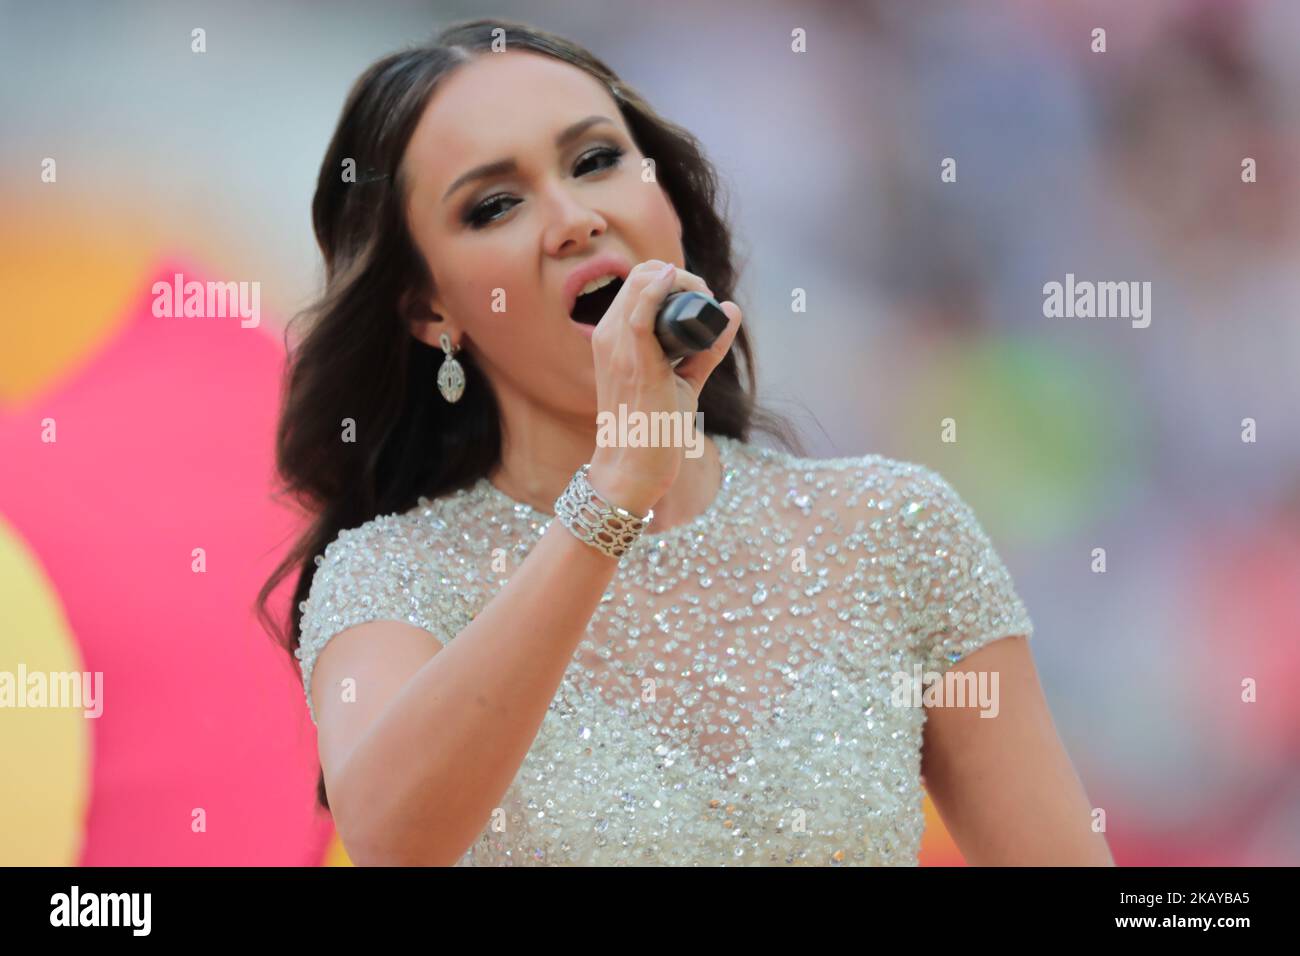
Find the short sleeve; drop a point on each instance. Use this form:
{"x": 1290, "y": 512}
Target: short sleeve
{"x": 963, "y": 595}
{"x": 370, "y": 573}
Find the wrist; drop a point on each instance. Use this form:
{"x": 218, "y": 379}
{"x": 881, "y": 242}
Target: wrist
{"x": 620, "y": 490}
{"x": 597, "y": 520}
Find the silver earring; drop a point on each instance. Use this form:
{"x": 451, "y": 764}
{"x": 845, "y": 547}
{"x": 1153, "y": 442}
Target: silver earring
{"x": 451, "y": 376}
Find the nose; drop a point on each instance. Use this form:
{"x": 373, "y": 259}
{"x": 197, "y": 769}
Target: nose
{"x": 571, "y": 223}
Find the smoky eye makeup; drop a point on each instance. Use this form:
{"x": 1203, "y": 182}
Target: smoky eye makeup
{"x": 596, "y": 158}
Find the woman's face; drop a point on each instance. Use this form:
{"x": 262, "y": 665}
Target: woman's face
{"x": 500, "y": 247}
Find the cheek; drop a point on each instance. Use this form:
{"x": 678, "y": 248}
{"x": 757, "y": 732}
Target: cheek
{"x": 656, "y": 211}
{"x": 494, "y": 288}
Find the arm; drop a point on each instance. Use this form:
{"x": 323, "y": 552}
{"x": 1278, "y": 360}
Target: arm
{"x": 415, "y": 766}
{"x": 1005, "y": 786}
{"x": 415, "y": 772}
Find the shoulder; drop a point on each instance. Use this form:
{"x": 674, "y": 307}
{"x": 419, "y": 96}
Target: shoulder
{"x": 383, "y": 542}
{"x": 380, "y": 570}
{"x": 397, "y": 541}
{"x": 916, "y": 538}
{"x": 906, "y": 512}
{"x": 356, "y": 568}
{"x": 861, "y": 483}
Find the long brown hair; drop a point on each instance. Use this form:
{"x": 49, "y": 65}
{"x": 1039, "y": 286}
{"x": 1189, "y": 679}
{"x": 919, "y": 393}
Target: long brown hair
{"x": 358, "y": 359}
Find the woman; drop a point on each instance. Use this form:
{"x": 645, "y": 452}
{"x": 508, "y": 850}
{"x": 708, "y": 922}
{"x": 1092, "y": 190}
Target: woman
{"x": 706, "y": 669}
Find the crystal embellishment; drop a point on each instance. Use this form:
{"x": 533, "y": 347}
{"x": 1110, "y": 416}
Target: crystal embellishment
{"x": 730, "y": 702}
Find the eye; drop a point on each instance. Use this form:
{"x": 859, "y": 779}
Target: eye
{"x": 612, "y": 153}
{"x": 479, "y": 216}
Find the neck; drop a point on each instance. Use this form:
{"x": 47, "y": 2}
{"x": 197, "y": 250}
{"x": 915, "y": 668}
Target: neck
{"x": 540, "y": 452}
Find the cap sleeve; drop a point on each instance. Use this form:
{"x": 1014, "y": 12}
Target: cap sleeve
{"x": 370, "y": 573}
{"x": 964, "y": 595}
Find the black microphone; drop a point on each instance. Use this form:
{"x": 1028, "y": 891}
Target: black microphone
{"x": 688, "y": 322}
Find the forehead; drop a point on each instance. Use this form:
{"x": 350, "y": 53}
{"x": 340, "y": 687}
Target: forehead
{"x": 496, "y": 106}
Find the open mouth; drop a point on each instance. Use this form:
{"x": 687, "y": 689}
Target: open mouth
{"x": 591, "y": 308}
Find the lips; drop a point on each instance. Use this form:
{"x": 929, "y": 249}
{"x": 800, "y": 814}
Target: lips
{"x": 602, "y": 265}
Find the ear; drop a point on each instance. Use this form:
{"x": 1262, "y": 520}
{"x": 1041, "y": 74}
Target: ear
{"x": 423, "y": 320}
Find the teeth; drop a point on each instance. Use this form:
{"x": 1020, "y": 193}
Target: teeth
{"x": 595, "y": 284}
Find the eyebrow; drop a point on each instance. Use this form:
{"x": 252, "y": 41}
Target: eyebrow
{"x": 502, "y": 167}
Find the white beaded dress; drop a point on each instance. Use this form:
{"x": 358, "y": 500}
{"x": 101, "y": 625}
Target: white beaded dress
{"x": 731, "y": 701}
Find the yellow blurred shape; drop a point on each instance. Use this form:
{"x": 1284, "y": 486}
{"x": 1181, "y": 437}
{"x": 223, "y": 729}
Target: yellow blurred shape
{"x": 44, "y": 790}
{"x": 336, "y": 855}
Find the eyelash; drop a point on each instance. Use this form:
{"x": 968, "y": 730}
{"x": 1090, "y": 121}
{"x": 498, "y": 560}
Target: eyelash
{"x": 475, "y": 218}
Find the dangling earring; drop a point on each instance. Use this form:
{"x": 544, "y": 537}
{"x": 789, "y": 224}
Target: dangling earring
{"x": 451, "y": 376}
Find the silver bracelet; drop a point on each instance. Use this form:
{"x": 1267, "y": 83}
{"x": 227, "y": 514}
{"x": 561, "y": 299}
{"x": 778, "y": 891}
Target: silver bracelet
{"x": 594, "y": 520}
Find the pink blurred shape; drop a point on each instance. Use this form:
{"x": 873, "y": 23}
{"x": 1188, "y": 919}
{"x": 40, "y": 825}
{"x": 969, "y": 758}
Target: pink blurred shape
{"x": 164, "y": 445}
{"x": 1247, "y": 620}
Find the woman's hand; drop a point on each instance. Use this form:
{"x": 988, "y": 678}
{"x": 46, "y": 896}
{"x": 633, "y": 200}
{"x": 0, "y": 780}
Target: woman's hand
{"x": 631, "y": 370}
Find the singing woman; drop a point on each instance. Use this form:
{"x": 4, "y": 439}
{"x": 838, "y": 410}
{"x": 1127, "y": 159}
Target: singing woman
{"x": 522, "y": 646}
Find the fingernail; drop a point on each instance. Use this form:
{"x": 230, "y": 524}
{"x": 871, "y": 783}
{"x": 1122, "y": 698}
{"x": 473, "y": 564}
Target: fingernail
{"x": 666, "y": 271}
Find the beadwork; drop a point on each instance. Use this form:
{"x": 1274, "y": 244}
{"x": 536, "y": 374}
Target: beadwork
{"x": 595, "y": 521}
{"x": 730, "y": 700}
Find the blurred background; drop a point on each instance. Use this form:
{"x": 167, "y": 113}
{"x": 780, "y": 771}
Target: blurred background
{"x": 924, "y": 302}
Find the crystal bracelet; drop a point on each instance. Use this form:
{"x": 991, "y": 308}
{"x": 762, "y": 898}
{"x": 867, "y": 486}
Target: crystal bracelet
{"x": 594, "y": 520}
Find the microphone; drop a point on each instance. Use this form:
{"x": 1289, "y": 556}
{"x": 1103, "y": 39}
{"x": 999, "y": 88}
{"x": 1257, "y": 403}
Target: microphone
{"x": 688, "y": 322}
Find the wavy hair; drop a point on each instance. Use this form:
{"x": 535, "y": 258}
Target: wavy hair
{"x": 357, "y": 358}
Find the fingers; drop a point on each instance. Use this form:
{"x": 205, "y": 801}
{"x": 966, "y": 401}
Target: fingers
{"x": 683, "y": 281}
{"x": 651, "y": 298}
{"x": 679, "y": 280}
{"x": 690, "y": 282}
{"x": 626, "y": 334}
{"x": 642, "y": 295}
{"x": 697, "y": 367}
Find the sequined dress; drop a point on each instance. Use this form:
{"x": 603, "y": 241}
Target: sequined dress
{"x": 732, "y": 699}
